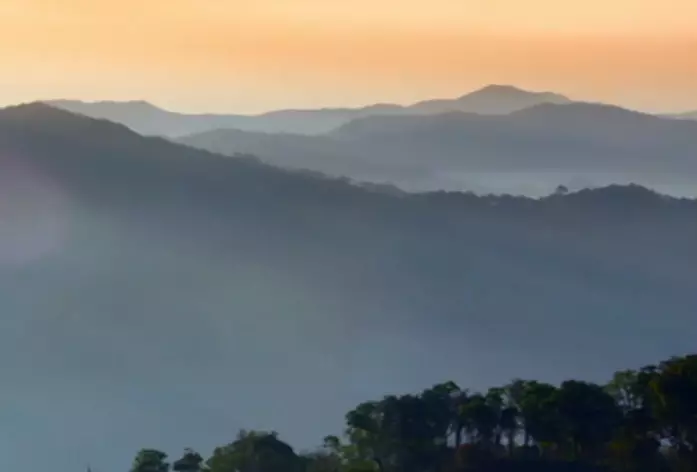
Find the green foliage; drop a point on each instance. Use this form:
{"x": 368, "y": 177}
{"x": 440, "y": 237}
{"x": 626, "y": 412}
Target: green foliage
{"x": 675, "y": 389}
{"x": 255, "y": 451}
{"x": 191, "y": 461}
{"x": 588, "y": 416}
{"x": 641, "y": 421}
{"x": 150, "y": 460}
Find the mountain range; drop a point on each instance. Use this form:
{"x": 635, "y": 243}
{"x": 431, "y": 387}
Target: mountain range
{"x": 153, "y": 293}
{"x": 148, "y": 119}
{"x": 457, "y": 150}
{"x": 499, "y": 139}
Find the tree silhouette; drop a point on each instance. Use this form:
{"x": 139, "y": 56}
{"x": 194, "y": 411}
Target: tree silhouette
{"x": 641, "y": 421}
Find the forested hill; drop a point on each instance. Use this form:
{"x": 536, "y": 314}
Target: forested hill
{"x": 641, "y": 420}
{"x": 133, "y": 264}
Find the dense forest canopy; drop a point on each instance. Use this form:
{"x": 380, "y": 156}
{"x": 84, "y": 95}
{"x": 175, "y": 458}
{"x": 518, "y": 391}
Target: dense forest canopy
{"x": 642, "y": 420}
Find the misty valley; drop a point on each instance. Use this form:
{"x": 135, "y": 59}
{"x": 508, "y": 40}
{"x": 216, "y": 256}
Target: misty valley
{"x": 172, "y": 279}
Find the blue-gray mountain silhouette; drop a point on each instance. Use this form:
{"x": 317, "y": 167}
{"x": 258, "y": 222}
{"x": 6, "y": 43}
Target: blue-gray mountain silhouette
{"x": 152, "y": 293}
{"x": 150, "y": 120}
{"x": 576, "y": 138}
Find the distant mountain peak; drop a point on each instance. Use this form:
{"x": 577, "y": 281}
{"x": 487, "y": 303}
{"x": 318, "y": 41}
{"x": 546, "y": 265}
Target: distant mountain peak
{"x": 500, "y": 89}
{"x": 512, "y": 92}
{"x": 493, "y": 99}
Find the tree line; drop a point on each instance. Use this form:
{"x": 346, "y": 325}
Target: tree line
{"x": 642, "y": 420}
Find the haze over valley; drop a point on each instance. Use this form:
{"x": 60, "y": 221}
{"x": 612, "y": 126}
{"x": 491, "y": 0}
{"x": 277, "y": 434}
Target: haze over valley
{"x": 348, "y": 236}
{"x": 498, "y": 139}
{"x": 135, "y": 271}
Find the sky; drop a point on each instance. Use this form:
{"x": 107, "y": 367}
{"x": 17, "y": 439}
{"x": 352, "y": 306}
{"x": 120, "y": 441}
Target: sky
{"x": 249, "y": 56}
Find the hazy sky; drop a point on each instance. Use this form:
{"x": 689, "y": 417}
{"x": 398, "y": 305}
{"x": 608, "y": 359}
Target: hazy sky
{"x": 253, "y": 55}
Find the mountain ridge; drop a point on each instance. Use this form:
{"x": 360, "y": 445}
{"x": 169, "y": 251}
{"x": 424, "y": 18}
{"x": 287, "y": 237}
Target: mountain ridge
{"x": 338, "y": 293}
{"x": 413, "y": 150}
{"x": 147, "y": 118}
{"x": 491, "y": 100}
{"x": 42, "y": 116}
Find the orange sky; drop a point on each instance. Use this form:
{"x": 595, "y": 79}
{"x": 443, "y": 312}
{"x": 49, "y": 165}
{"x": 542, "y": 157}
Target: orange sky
{"x": 253, "y": 55}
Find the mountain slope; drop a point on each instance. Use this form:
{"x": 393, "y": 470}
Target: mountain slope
{"x": 147, "y": 119}
{"x": 323, "y": 154}
{"x": 490, "y": 100}
{"x": 577, "y": 138}
{"x": 157, "y": 294}
{"x": 544, "y": 136}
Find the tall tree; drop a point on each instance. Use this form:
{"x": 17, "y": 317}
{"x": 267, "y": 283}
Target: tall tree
{"x": 442, "y": 402}
{"x": 675, "y": 390}
{"x": 588, "y": 416}
{"x": 538, "y": 410}
{"x": 190, "y": 461}
{"x": 150, "y": 460}
{"x": 255, "y": 451}
{"x": 480, "y": 418}
{"x": 514, "y": 393}
{"x": 642, "y": 421}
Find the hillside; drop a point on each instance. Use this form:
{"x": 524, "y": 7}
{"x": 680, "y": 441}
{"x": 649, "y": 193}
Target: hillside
{"x": 158, "y": 291}
{"x": 145, "y": 118}
{"x": 546, "y": 136}
{"x": 598, "y": 143}
{"x": 490, "y": 100}
{"x": 148, "y": 119}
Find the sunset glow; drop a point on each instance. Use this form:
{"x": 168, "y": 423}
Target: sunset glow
{"x": 219, "y": 55}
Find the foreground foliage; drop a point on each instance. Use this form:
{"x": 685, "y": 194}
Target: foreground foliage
{"x": 642, "y": 420}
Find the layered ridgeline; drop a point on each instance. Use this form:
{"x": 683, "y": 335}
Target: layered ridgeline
{"x": 528, "y": 151}
{"x": 156, "y": 294}
{"x": 148, "y": 119}
{"x": 499, "y": 139}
